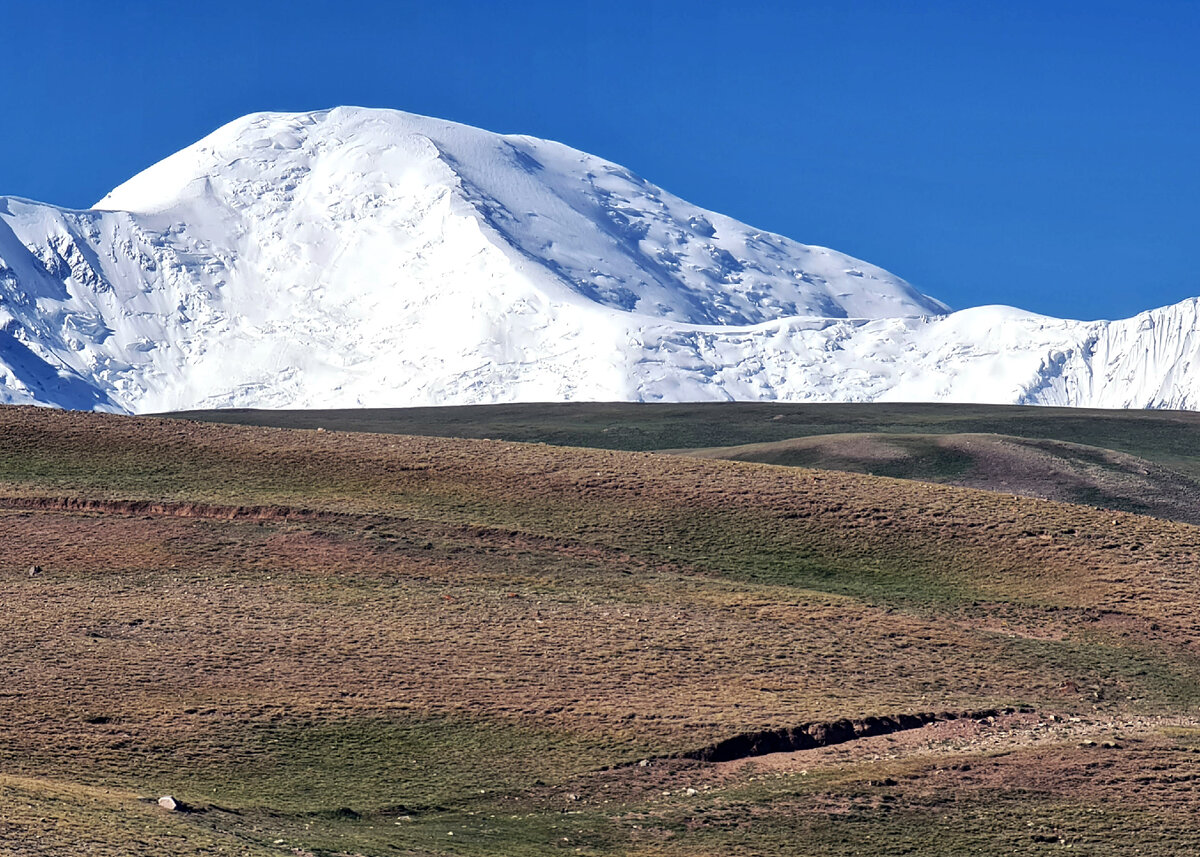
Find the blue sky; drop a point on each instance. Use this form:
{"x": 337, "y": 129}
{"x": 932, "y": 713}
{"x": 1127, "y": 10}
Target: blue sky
{"x": 1037, "y": 154}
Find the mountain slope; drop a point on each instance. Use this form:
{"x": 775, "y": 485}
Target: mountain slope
{"x": 371, "y": 257}
{"x": 990, "y": 355}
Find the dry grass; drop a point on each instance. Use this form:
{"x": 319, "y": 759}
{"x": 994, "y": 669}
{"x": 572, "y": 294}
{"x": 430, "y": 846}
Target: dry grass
{"x": 454, "y": 636}
{"x": 1030, "y": 467}
{"x": 44, "y": 817}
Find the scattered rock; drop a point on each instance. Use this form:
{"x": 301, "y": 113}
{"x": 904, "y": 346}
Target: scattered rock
{"x": 645, "y": 763}
{"x": 173, "y": 804}
{"x": 35, "y": 570}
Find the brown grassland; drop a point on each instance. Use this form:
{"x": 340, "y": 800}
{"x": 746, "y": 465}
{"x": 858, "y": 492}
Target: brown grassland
{"x": 1033, "y": 467}
{"x": 333, "y": 643}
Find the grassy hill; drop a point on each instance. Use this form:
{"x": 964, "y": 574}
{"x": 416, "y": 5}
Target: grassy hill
{"x": 1167, "y": 437}
{"x": 1032, "y": 467}
{"x": 1135, "y": 461}
{"x": 324, "y": 642}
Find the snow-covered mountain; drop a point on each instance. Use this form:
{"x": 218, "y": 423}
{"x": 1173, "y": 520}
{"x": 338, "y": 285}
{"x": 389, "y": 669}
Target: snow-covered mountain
{"x": 359, "y": 257}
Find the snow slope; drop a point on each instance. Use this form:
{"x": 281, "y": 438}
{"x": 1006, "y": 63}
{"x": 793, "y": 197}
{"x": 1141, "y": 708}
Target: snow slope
{"x": 359, "y": 257}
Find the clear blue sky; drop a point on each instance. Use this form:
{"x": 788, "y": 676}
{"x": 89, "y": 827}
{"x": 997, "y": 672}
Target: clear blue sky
{"x": 1041, "y": 154}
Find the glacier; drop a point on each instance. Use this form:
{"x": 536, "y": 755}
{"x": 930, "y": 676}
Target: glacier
{"x": 362, "y": 257}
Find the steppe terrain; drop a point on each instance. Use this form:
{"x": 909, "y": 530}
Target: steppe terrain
{"x": 332, "y": 643}
{"x": 1136, "y": 461}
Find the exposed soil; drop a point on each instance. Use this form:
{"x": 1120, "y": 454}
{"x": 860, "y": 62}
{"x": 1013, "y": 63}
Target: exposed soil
{"x": 827, "y": 733}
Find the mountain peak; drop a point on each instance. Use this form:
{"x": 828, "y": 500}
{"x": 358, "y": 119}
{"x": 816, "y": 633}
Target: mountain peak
{"x": 359, "y": 256}
{"x": 590, "y": 226}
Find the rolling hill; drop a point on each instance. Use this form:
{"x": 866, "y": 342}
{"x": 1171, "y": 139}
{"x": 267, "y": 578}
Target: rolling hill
{"x": 327, "y": 642}
{"x": 1135, "y": 461}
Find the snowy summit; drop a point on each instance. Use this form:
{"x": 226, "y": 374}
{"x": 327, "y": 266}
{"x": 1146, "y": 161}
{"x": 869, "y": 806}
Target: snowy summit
{"x": 361, "y": 257}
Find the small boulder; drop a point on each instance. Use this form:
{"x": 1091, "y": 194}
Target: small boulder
{"x": 35, "y": 570}
{"x": 168, "y": 803}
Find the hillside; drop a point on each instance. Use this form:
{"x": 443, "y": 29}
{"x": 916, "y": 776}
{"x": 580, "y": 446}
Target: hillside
{"x": 1049, "y": 469}
{"x": 1156, "y": 434}
{"x": 1134, "y": 461}
{"x": 338, "y": 643}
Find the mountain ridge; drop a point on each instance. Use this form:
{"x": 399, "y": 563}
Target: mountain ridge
{"x": 356, "y": 256}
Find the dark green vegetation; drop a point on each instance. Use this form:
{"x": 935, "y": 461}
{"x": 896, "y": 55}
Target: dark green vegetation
{"x": 1171, "y": 437}
{"x": 333, "y": 643}
{"x": 1146, "y": 462}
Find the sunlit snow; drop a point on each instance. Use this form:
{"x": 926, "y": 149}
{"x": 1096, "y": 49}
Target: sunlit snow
{"x": 359, "y": 257}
